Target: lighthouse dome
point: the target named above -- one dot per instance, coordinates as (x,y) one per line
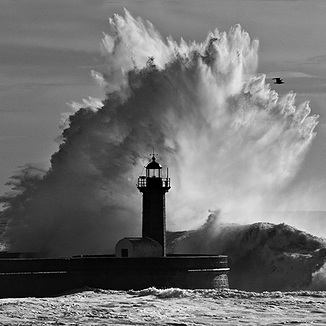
(153,164)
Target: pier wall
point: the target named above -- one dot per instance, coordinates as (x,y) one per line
(20,277)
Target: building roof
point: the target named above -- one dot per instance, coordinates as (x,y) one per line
(137,242)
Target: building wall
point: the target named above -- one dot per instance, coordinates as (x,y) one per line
(124,244)
(138,247)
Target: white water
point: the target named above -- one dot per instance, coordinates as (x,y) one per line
(228,140)
(168,307)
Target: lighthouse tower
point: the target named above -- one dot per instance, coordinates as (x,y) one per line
(154,186)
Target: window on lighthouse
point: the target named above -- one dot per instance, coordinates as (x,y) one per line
(153,173)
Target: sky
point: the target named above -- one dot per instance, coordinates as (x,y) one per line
(48,49)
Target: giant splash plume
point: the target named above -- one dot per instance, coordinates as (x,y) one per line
(227,138)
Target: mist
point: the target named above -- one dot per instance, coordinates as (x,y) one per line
(228,139)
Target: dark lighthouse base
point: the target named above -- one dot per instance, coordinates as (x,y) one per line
(22,277)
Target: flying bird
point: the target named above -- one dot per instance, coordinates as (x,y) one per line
(278,80)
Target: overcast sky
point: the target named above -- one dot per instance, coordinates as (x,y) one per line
(48,48)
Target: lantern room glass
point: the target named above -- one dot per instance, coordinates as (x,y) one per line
(153,173)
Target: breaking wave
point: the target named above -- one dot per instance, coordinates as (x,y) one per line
(223,293)
(161,293)
(228,139)
(262,256)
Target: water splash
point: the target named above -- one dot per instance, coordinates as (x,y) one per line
(227,138)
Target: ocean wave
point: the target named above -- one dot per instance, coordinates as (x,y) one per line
(228,139)
(172,293)
(262,256)
(161,293)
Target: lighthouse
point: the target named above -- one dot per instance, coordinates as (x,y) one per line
(153,187)
(153,241)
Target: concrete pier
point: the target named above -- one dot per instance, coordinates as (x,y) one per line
(21,277)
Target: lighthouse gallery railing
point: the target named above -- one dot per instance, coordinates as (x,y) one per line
(142,182)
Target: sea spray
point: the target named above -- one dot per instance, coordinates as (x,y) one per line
(228,140)
(318,281)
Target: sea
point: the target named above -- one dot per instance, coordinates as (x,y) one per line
(168,307)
